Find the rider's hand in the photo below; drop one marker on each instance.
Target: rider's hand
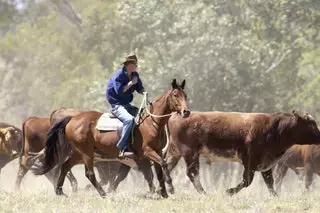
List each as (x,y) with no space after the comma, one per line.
(134,80)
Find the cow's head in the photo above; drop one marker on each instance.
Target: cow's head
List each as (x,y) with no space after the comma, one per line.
(306,128)
(7,138)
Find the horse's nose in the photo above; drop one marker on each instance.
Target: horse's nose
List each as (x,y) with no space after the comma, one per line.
(185,113)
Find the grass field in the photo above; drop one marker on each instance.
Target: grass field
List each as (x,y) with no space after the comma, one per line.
(37,195)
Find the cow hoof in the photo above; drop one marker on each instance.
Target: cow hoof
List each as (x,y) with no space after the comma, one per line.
(103,194)
(59,192)
(171,189)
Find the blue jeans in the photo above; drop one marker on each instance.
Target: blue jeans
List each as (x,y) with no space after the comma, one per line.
(122,113)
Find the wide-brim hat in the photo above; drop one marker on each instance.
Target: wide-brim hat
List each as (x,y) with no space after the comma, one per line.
(131,59)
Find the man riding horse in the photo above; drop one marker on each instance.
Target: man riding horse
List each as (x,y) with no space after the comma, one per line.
(119,94)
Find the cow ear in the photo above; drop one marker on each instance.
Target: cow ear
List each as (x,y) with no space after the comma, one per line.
(183,84)
(174,84)
(296,114)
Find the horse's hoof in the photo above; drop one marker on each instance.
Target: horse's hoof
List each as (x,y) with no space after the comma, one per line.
(230,191)
(163,193)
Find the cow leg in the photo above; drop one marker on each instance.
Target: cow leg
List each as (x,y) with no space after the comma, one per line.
(162,190)
(309,176)
(172,162)
(66,167)
(122,174)
(279,173)
(268,179)
(105,172)
(145,167)
(247,178)
(24,165)
(193,165)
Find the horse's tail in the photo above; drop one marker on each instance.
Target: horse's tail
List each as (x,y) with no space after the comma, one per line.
(56,133)
(23,137)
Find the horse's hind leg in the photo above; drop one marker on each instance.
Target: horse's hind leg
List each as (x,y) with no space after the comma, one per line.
(145,168)
(268,179)
(66,167)
(88,161)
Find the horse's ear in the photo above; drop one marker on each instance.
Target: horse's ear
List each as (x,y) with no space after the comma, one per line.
(183,84)
(174,84)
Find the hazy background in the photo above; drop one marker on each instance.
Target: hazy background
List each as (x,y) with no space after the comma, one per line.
(236,55)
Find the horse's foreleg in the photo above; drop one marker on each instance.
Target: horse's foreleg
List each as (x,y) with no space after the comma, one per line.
(158,159)
(193,165)
(162,185)
(268,179)
(145,168)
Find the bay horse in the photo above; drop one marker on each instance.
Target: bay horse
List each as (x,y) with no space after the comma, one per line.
(80,131)
(257,140)
(110,172)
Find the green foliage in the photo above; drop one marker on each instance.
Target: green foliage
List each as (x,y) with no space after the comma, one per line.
(236,55)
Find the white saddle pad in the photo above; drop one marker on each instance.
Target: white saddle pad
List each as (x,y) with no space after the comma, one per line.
(105,123)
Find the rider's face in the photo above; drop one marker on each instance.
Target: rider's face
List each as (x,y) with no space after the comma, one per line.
(131,67)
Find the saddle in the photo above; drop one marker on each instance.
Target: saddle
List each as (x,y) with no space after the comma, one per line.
(109,122)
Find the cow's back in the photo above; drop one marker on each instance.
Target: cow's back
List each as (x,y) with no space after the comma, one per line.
(35,132)
(219,129)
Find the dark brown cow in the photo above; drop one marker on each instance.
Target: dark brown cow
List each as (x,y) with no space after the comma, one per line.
(34,137)
(16,144)
(257,140)
(299,158)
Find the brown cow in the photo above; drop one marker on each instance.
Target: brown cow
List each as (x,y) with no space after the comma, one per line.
(299,158)
(6,140)
(34,137)
(16,143)
(257,140)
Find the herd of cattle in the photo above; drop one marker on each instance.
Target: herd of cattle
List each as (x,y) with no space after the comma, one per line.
(291,143)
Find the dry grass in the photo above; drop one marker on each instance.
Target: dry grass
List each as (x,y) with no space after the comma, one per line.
(37,196)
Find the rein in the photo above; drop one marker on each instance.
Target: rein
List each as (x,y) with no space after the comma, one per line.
(145,103)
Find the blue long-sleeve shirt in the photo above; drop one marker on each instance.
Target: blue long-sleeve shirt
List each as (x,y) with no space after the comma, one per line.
(116,84)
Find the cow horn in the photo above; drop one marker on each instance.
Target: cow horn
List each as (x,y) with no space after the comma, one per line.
(165,149)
